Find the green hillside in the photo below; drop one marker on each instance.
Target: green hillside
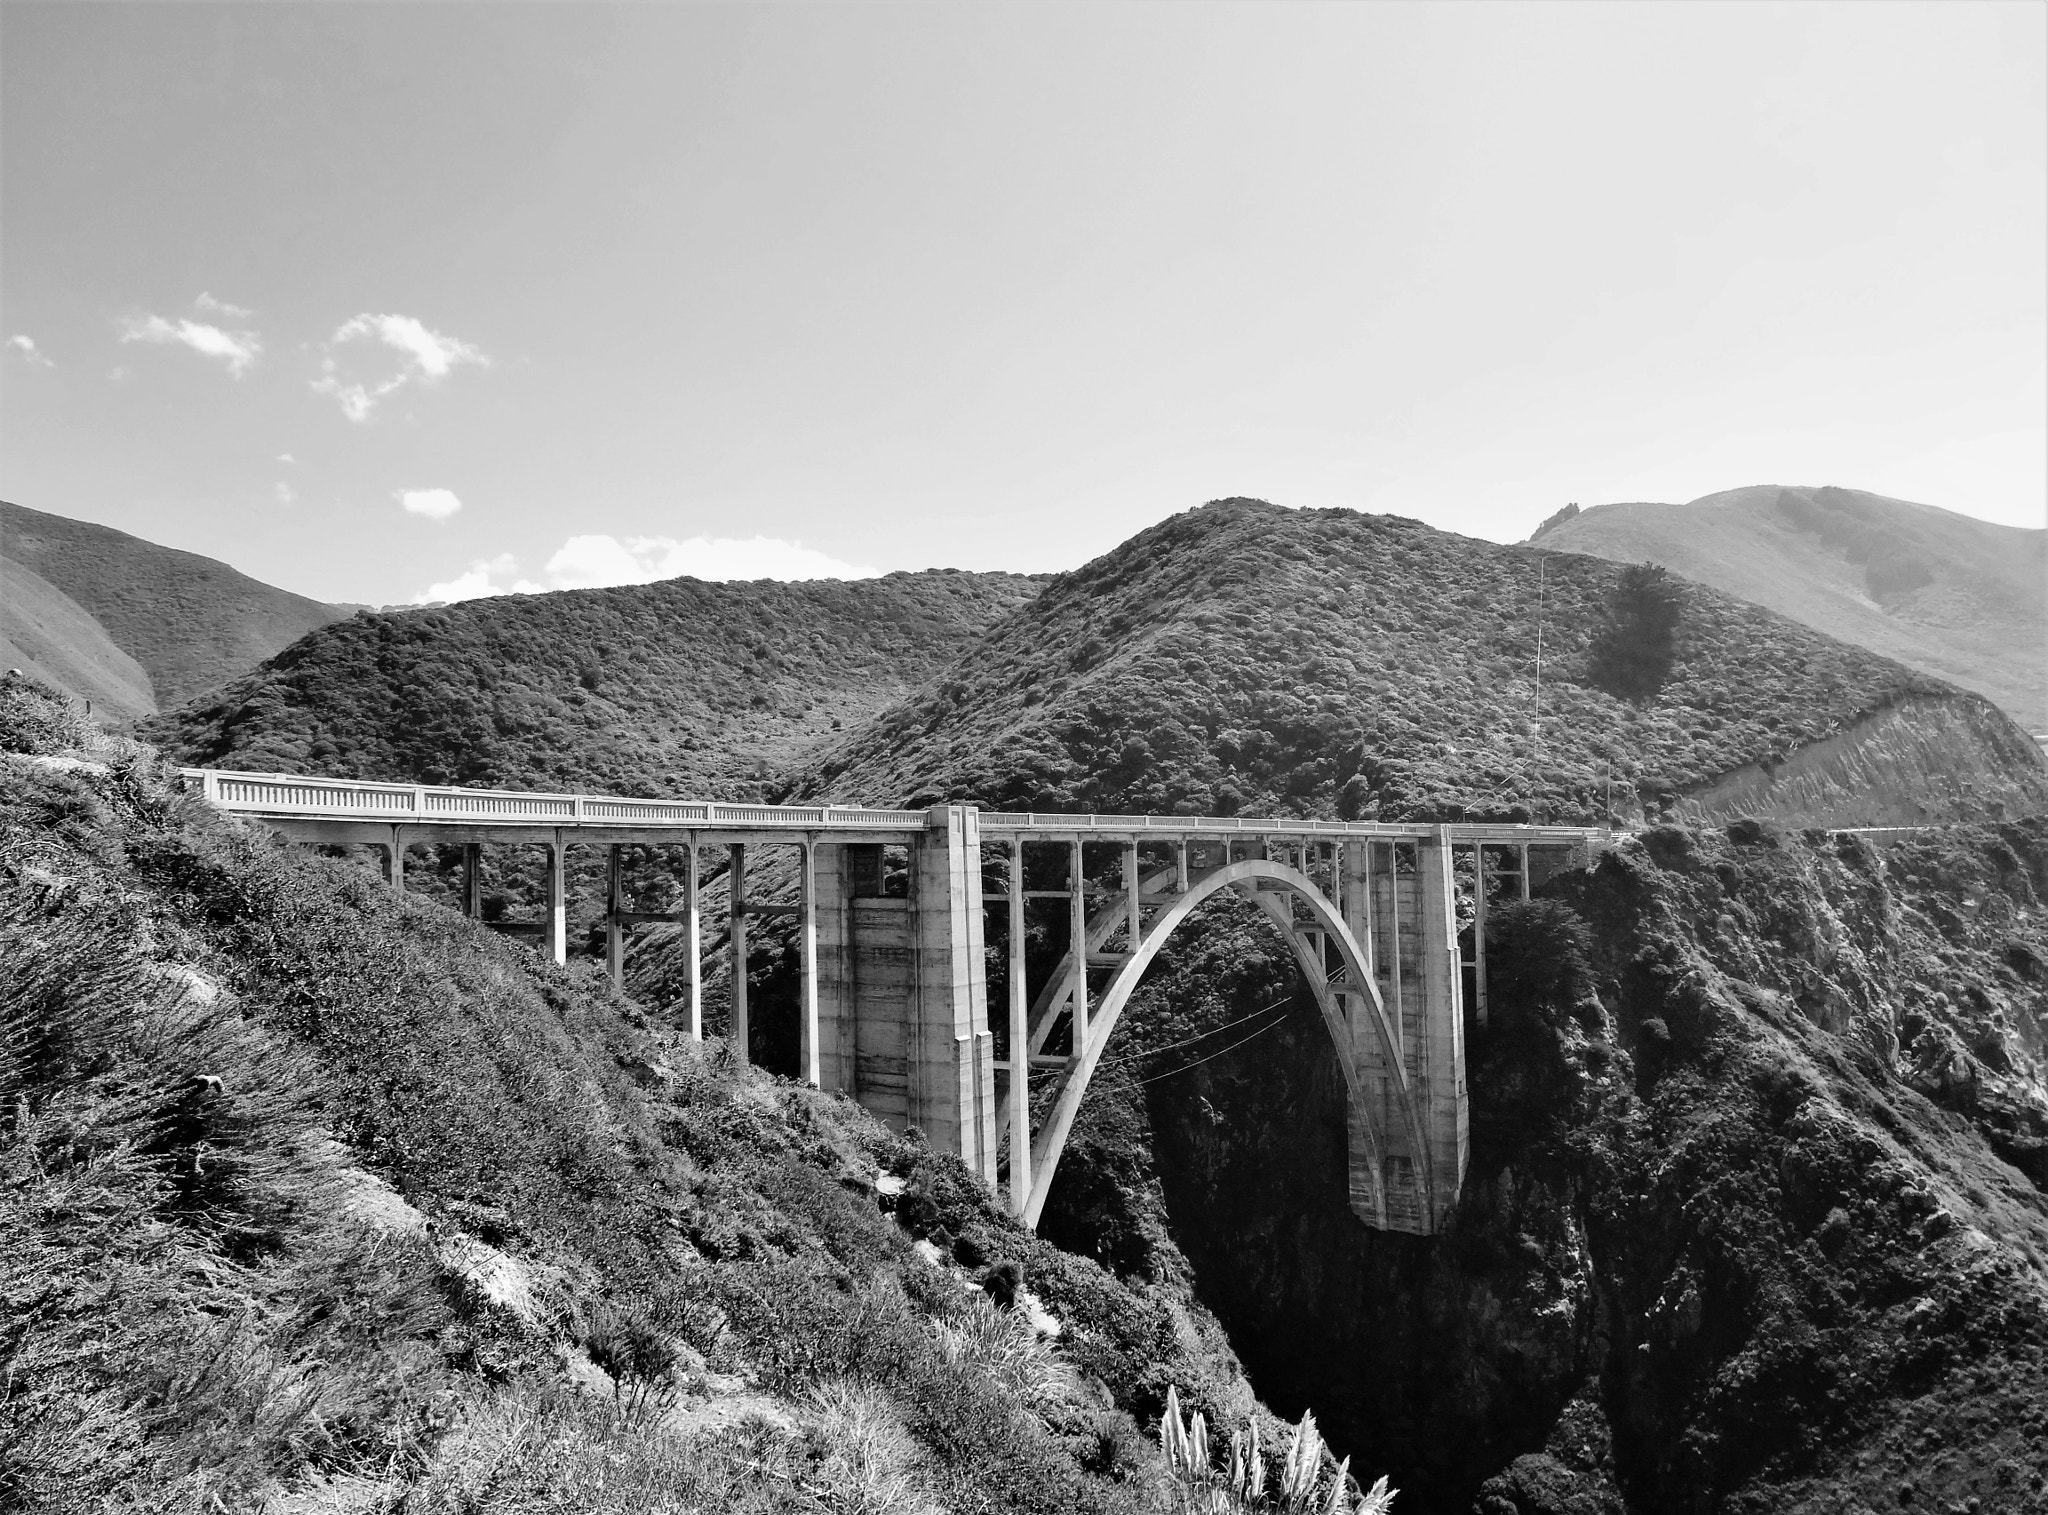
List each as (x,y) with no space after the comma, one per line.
(46,633)
(1959,598)
(681,687)
(317,1197)
(189,621)
(1247,658)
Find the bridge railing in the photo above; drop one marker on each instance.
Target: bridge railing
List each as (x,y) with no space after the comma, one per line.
(1008,821)
(361,799)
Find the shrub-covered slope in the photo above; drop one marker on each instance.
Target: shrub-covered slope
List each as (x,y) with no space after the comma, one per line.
(1247,658)
(1962,599)
(320,1197)
(46,633)
(678,688)
(191,622)
(1757,1213)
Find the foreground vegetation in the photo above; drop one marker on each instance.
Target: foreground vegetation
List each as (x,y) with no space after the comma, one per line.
(319,1193)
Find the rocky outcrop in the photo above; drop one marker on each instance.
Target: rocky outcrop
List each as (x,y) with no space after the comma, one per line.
(1922,760)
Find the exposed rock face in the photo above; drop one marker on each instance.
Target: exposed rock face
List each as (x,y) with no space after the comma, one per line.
(1924,759)
(1754,1220)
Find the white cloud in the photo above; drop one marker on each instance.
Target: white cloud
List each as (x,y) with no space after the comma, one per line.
(434,504)
(30,353)
(426,356)
(286,495)
(592,562)
(206,302)
(598,562)
(285,457)
(238,349)
(479,581)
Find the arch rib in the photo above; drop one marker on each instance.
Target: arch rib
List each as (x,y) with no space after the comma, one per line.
(1246,877)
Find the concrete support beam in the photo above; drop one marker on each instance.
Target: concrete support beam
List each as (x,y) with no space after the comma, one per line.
(832,886)
(472,880)
(614,906)
(558,903)
(1077,927)
(808,1055)
(951,1050)
(1134,922)
(1479,932)
(736,928)
(1438,1062)
(1020,1039)
(394,858)
(693,944)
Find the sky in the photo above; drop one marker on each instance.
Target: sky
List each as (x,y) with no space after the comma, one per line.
(395,302)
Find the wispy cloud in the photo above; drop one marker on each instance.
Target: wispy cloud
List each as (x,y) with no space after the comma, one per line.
(425,356)
(434,504)
(285,494)
(30,353)
(486,576)
(207,303)
(590,562)
(238,349)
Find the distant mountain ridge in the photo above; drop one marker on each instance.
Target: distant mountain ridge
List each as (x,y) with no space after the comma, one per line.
(1246,658)
(680,687)
(188,622)
(1962,599)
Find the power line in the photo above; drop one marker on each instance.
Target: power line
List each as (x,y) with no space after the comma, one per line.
(1184,1067)
(1199,1036)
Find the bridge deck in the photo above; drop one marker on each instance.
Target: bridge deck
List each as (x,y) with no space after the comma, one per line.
(451,811)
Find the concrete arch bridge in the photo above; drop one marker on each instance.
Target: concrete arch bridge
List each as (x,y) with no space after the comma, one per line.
(893,993)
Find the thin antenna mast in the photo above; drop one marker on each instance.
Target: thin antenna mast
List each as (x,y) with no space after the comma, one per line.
(1542,561)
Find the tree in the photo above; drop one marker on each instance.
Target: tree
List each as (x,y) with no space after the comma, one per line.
(1637,641)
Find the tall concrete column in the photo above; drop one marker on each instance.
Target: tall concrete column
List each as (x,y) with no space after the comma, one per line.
(736,930)
(394,859)
(558,902)
(1135,918)
(1479,933)
(1077,927)
(1439,1062)
(951,1051)
(1020,1039)
(808,1055)
(838,977)
(693,945)
(472,880)
(614,906)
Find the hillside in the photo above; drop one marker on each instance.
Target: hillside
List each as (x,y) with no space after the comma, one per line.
(321,1198)
(1246,658)
(680,687)
(189,621)
(1757,1212)
(1962,599)
(46,633)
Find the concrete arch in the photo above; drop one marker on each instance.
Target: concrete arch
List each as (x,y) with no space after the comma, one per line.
(1263,880)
